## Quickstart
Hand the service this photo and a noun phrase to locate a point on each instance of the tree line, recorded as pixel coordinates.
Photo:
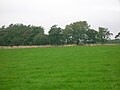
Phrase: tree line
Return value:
(74, 33)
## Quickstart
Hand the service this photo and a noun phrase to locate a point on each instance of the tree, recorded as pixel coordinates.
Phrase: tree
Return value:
(56, 35)
(91, 36)
(2, 28)
(68, 33)
(2, 37)
(117, 36)
(41, 39)
(76, 32)
(19, 34)
(103, 35)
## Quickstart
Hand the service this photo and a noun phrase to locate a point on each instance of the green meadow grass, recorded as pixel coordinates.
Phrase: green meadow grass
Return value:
(60, 68)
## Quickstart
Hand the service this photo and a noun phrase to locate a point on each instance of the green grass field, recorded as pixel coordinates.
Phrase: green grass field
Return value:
(60, 68)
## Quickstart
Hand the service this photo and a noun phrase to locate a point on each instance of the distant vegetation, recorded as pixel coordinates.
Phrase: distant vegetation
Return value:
(74, 33)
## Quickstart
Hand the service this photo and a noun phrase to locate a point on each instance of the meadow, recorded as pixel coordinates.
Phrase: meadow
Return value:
(60, 68)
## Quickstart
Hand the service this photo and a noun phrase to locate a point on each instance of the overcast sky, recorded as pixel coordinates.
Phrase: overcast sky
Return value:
(105, 13)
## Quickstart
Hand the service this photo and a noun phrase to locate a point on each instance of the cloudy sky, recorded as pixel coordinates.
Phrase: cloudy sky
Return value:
(105, 13)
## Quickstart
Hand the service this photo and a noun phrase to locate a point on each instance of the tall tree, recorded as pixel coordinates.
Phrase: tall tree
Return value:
(41, 39)
(103, 35)
(56, 35)
(91, 36)
(76, 32)
(68, 34)
(19, 34)
(117, 36)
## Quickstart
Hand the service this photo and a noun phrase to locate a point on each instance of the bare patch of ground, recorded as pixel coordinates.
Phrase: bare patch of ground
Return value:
(10, 47)
(46, 46)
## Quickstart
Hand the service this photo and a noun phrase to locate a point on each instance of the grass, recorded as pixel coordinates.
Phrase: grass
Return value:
(60, 68)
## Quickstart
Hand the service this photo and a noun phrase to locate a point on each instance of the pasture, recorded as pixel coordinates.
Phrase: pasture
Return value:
(60, 68)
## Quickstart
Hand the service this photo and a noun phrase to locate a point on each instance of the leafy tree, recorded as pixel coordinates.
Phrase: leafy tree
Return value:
(91, 36)
(103, 35)
(68, 33)
(56, 35)
(2, 28)
(76, 32)
(19, 34)
(2, 37)
(41, 39)
(117, 36)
